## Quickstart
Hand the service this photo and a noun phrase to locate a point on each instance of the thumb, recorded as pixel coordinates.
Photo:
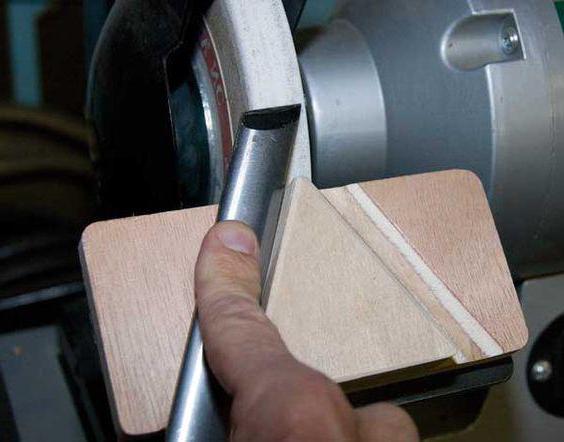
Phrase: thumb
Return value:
(239, 340)
(275, 396)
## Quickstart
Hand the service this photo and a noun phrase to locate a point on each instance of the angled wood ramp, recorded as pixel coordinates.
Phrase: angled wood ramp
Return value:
(358, 208)
(337, 305)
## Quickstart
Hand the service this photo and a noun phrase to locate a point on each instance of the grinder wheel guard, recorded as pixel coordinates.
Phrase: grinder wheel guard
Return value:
(166, 93)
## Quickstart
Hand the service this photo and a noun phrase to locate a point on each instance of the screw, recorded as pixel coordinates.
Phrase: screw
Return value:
(541, 371)
(509, 40)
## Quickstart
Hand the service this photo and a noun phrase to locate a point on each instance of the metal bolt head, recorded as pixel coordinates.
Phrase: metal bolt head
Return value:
(541, 371)
(509, 40)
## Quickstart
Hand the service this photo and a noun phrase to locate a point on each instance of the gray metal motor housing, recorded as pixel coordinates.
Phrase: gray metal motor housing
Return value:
(397, 87)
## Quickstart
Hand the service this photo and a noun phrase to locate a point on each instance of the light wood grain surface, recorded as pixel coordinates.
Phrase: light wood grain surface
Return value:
(446, 218)
(338, 307)
(139, 272)
(139, 276)
(375, 236)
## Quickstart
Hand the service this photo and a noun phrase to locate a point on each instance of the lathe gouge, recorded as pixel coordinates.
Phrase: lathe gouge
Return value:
(252, 194)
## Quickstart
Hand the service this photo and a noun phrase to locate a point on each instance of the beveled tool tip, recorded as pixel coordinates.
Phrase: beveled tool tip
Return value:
(271, 118)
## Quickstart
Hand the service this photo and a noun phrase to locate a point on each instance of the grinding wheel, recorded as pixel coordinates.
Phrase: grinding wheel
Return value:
(246, 60)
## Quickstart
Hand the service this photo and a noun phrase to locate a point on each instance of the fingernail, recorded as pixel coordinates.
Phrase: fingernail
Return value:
(238, 238)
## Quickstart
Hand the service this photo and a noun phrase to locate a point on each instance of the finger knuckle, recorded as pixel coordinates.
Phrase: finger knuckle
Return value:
(402, 424)
(232, 306)
(312, 402)
(396, 422)
(238, 265)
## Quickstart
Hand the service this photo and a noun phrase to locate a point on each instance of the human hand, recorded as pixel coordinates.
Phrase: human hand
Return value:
(275, 397)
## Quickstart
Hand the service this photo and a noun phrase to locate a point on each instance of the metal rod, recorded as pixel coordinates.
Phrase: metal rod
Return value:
(252, 194)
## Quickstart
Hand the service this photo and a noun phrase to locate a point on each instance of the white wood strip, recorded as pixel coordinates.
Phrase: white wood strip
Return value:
(472, 327)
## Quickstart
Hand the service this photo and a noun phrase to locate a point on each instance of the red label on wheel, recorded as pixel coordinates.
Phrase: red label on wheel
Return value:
(214, 69)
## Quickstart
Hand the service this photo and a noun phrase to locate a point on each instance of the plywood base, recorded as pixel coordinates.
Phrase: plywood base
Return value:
(427, 243)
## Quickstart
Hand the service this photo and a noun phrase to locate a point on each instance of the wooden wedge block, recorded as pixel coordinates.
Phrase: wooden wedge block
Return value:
(428, 239)
(471, 340)
(338, 307)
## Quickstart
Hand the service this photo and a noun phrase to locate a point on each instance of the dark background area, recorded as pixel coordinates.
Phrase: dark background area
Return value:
(51, 386)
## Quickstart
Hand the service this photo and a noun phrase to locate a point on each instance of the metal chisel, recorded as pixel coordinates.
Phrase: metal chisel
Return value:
(252, 194)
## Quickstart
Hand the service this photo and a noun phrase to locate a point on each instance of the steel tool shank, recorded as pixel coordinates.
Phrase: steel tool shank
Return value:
(253, 195)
